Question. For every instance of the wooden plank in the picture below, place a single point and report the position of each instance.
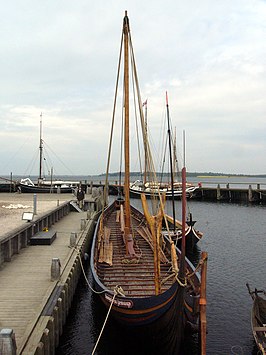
(259, 329)
(25, 284)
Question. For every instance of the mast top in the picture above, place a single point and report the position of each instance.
(126, 23)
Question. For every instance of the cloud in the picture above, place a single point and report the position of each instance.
(61, 59)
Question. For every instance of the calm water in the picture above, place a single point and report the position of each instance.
(234, 237)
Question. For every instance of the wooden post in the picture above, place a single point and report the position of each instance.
(250, 194)
(82, 224)
(203, 303)
(55, 269)
(11, 182)
(73, 239)
(218, 192)
(7, 342)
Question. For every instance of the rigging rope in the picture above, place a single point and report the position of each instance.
(112, 124)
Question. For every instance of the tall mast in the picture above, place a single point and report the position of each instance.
(126, 133)
(184, 204)
(41, 149)
(145, 143)
(171, 161)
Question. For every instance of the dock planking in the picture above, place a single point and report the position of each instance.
(26, 284)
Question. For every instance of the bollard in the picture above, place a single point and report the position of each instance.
(34, 204)
(73, 239)
(218, 192)
(7, 342)
(250, 193)
(55, 269)
(82, 223)
(94, 192)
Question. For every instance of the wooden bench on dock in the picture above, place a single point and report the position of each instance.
(43, 238)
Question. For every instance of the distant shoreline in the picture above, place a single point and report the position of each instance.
(199, 175)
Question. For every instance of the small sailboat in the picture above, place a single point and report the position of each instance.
(258, 318)
(138, 272)
(43, 185)
(170, 187)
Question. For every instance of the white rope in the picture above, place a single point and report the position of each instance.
(83, 271)
(106, 318)
(117, 290)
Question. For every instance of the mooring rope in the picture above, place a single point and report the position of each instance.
(116, 291)
(84, 274)
(197, 267)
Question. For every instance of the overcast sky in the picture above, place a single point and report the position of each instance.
(60, 58)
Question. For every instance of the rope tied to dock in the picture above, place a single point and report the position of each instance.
(84, 274)
(117, 290)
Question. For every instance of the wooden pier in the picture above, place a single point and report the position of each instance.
(209, 191)
(37, 282)
(229, 193)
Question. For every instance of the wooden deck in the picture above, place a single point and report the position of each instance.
(136, 279)
(25, 282)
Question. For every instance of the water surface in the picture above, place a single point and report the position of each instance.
(234, 237)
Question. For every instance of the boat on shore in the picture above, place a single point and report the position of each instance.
(139, 273)
(258, 318)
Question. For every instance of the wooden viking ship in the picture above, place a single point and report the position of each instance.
(138, 272)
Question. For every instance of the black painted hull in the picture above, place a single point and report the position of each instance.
(44, 189)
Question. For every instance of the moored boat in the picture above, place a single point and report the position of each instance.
(43, 185)
(258, 318)
(151, 189)
(138, 272)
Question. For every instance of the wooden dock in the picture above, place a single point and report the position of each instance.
(207, 191)
(230, 193)
(37, 282)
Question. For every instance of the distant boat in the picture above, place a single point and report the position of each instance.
(138, 272)
(43, 185)
(151, 189)
(258, 318)
(173, 188)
